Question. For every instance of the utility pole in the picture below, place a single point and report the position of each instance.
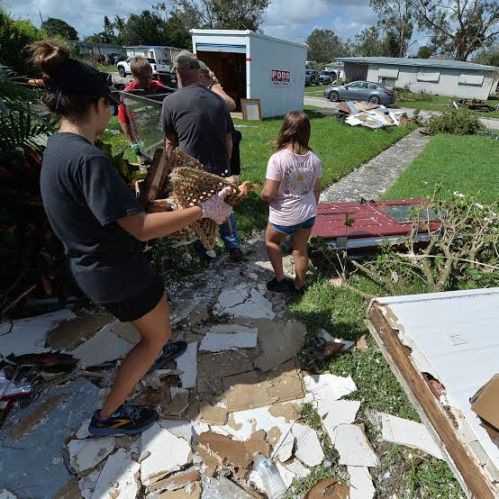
(41, 17)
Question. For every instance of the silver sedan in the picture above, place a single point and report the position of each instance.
(361, 91)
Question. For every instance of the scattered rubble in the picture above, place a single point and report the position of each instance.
(328, 387)
(103, 347)
(187, 365)
(353, 447)
(308, 448)
(119, 478)
(335, 413)
(218, 342)
(244, 301)
(409, 433)
(330, 488)
(222, 487)
(87, 454)
(371, 115)
(361, 484)
(191, 491)
(165, 453)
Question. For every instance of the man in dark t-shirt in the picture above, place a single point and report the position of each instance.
(198, 122)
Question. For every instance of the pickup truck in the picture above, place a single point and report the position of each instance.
(124, 67)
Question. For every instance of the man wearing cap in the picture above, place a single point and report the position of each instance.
(197, 121)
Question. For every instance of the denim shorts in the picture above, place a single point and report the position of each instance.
(289, 230)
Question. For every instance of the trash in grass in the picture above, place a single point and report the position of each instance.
(271, 479)
(371, 115)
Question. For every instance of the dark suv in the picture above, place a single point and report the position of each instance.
(311, 77)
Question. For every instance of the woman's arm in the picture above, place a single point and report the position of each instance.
(146, 226)
(317, 190)
(270, 190)
(231, 103)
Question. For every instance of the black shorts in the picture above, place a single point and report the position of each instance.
(135, 307)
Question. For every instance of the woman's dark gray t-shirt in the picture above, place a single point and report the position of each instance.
(84, 195)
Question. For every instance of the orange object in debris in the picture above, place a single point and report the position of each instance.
(36, 82)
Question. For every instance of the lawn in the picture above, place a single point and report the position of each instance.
(468, 164)
(341, 148)
(315, 90)
(437, 103)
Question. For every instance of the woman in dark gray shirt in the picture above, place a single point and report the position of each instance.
(101, 225)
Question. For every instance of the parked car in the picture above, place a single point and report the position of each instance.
(361, 90)
(124, 67)
(311, 77)
(327, 77)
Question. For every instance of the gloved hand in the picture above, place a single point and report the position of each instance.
(215, 207)
(135, 148)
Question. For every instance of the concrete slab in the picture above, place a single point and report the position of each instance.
(220, 342)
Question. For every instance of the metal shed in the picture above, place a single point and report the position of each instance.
(254, 66)
(435, 76)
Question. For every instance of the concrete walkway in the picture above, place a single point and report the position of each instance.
(371, 180)
(329, 107)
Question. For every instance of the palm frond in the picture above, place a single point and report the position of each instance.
(13, 86)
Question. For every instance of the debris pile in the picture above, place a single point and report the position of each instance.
(371, 115)
(236, 393)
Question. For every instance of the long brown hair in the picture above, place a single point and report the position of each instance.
(142, 70)
(48, 57)
(295, 131)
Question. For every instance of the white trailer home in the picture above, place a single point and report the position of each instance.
(254, 66)
(161, 54)
(435, 76)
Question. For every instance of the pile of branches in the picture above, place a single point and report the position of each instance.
(462, 253)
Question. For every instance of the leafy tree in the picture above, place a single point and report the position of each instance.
(16, 34)
(424, 52)
(325, 45)
(459, 27)
(490, 57)
(369, 43)
(396, 18)
(59, 28)
(221, 14)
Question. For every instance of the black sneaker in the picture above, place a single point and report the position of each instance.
(280, 286)
(171, 351)
(127, 420)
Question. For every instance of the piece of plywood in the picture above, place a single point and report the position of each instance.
(473, 478)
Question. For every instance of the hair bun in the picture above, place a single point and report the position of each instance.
(48, 56)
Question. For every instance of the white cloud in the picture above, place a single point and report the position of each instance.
(288, 19)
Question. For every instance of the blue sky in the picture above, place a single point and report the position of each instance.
(289, 19)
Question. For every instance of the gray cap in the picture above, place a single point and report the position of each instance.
(185, 60)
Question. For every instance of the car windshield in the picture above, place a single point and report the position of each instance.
(325, 73)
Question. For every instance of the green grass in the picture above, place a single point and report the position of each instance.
(340, 147)
(118, 141)
(467, 164)
(440, 103)
(315, 90)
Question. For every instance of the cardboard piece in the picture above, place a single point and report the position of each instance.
(485, 402)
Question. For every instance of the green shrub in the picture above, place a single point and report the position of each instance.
(405, 95)
(456, 122)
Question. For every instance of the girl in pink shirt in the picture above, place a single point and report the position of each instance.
(292, 190)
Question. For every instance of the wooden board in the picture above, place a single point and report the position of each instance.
(464, 464)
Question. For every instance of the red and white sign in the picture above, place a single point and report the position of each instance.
(280, 77)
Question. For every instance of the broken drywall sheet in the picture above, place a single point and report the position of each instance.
(353, 447)
(361, 484)
(176, 481)
(221, 487)
(187, 364)
(119, 478)
(41, 433)
(25, 336)
(191, 491)
(181, 429)
(308, 448)
(244, 302)
(297, 468)
(154, 443)
(179, 402)
(68, 334)
(286, 475)
(5, 494)
(284, 448)
(126, 331)
(231, 329)
(213, 367)
(220, 342)
(214, 415)
(249, 390)
(87, 454)
(104, 346)
(335, 413)
(409, 433)
(88, 482)
(327, 387)
(279, 342)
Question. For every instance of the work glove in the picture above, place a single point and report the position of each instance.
(135, 148)
(215, 207)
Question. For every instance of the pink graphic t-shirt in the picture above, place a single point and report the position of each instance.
(296, 174)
